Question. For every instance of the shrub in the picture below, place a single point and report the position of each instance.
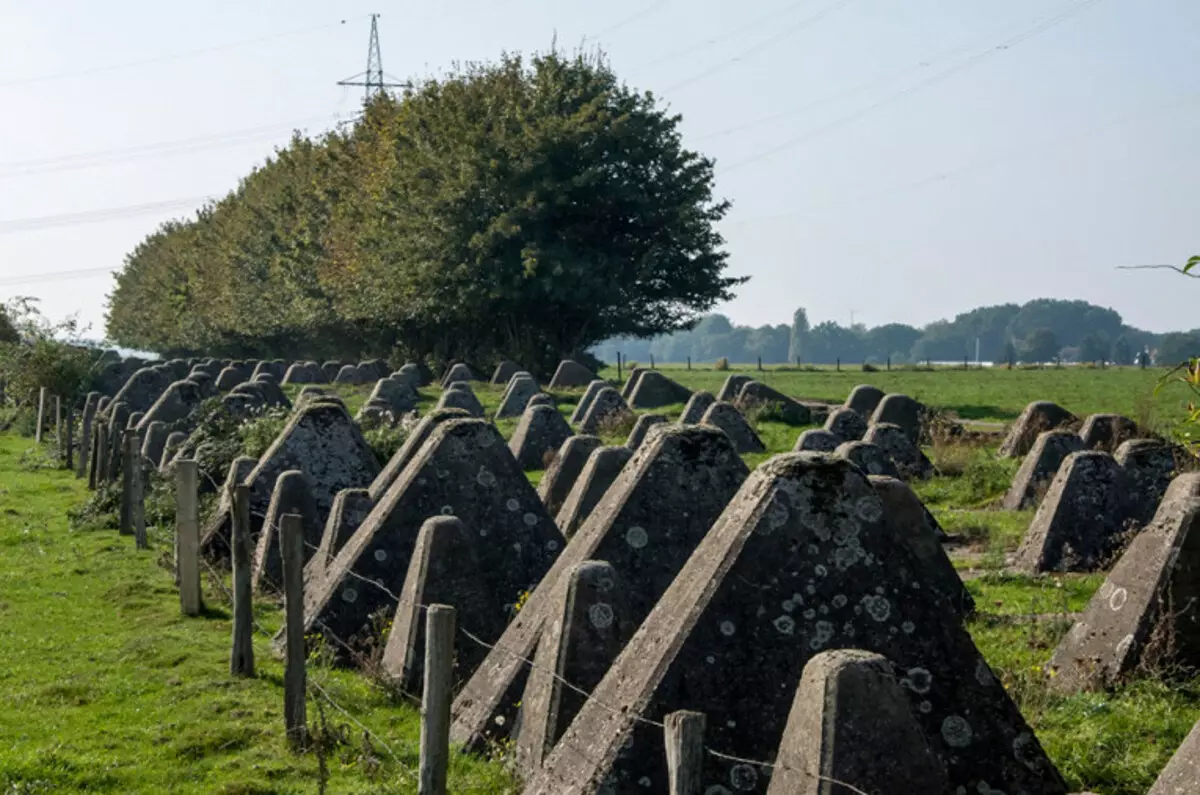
(722, 364)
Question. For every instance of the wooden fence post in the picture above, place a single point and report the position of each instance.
(187, 537)
(760, 364)
(58, 425)
(435, 700)
(839, 364)
(689, 362)
(618, 367)
(41, 416)
(127, 482)
(241, 660)
(137, 507)
(71, 439)
(684, 735)
(295, 717)
(101, 468)
(889, 364)
(85, 439)
(652, 361)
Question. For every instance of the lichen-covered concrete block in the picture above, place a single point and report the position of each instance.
(693, 412)
(800, 562)
(174, 441)
(571, 375)
(353, 374)
(293, 494)
(607, 409)
(727, 418)
(463, 470)
(272, 368)
(516, 397)
(846, 424)
(1181, 776)
(1107, 432)
(229, 377)
(642, 427)
(214, 542)
(1149, 465)
(1039, 468)
(733, 387)
(901, 410)
(646, 526)
(583, 635)
(143, 388)
(504, 371)
(396, 393)
(654, 390)
(458, 372)
(564, 470)
(755, 394)
(154, 438)
(852, 721)
(1036, 418)
(540, 432)
(585, 402)
(350, 509)
(444, 570)
(416, 438)
(869, 458)
(597, 476)
(1081, 520)
(864, 399)
(896, 445)
(460, 399)
(541, 399)
(631, 381)
(816, 440)
(174, 408)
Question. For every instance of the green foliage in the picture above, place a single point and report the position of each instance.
(1040, 346)
(258, 432)
(385, 440)
(42, 354)
(1177, 347)
(523, 209)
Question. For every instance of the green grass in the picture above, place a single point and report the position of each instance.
(106, 688)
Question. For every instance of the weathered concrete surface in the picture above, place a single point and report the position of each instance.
(205, 382)
(1107, 432)
(520, 389)
(396, 393)
(598, 474)
(416, 438)
(1147, 611)
(293, 493)
(539, 434)
(173, 442)
(646, 526)
(798, 563)
(331, 370)
(631, 381)
(846, 424)
(214, 543)
(1149, 465)
(733, 387)
(642, 427)
(229, 377)
(896, 445)
(444, 570)
(458, 372)
(900, 410)
(1039, 468)
(869, 458)
(143, 388)
(460, 399)
(350, 509)
(541, 399)
(273, 368)
(852, 721)
(585, 402)
(504, 371)
(654, 390)
(353, 374)
(1036, 418)
(1183, 485)
(564, 470)
(755, 394)
(693, 412)
(1082, 518)
(905, 516)
(409, 374)
(265, 393)
(571, 375)
(303, 373)
(320, 440)
(154, 438)
(584, 634)
(174, 408)
(463, 470)
(726, 417)
(864, 399)
(817, 440)
(607, 409)
(1181, 776)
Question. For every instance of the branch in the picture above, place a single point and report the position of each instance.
(1158, 267)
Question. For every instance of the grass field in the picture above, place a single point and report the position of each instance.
(111, 691)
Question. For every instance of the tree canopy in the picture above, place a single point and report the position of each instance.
(524, 209)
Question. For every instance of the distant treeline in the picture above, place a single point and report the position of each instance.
(1041, 330)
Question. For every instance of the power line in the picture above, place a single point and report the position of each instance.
(54, 276)
(728, 34)
(647, 11)
(98, 216)
(932, 80)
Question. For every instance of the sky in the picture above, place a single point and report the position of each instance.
(887, 160)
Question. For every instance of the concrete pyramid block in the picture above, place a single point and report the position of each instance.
(270, 368)
(409, 374)
(846, 424)
(693, 412)
(896, 445)
(520, 389)
(1082, 518)
(1146, 612)
(293, 494)
(816, 440)
(608, 409)
(564, 470)
(642, 427)
(1036, 418)
(864, 399)
(583, 635)
(571, 375)
(444, 570)
(597, 476)
(726, 417)
(541, 399)
(539, 434)
(353, 374)
(416, 438)
(733, 387)
(1149, 465)
(1181, 776)
(331, 370)
(849, 707)
(214, 543)
(230, 377)
(799, 563)
(143, 388)
(585, 402)
(1039, 468)
(654, 390)
(350, 509)
(174, 441)
(396, 393)
(154, 438)
(646, 526)
(869, 458)
(1182, 486)
(175, 407)
(302, 373)
(460, 399)
(465, 470)
(1107, 432)
(458, 372)
(901, 410)
(755, 394)
(504, 371)
(631, 381)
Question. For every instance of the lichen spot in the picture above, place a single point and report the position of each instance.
(919, 680)
(604, 584)
(1118, 599)
(601, 615)
(983, 674)
(743, 777)
(637, 537)
(839, 600)
(717, 789)
(1025, 750)
(552, 545)
(728, 628)
(443, 473)
(785, 625)
(447, 510)
(710, 659)
(822, 632)
(956, 732)
(644, 781)
(820, 570)
(349, 596)
(925, 707)
(877, 607)
(869, 509)
(908, 627)
(485, 478)
(381, 555)
(513, 504)
(530, 519)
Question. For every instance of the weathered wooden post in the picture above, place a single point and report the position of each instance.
(41, 415)
(71, 439)
(689, 362)
(652, 361)
(295, 717)
(839, 364)
(760, 364)
(187, 537)
(137, 506)
(889, 364)
(619, 367)
(241, 660)
(684, 735)
(58, 425)
(435, 700)
(127, 486)
(99, 471)
(85, 438)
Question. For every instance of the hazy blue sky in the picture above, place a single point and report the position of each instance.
(903, 160)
